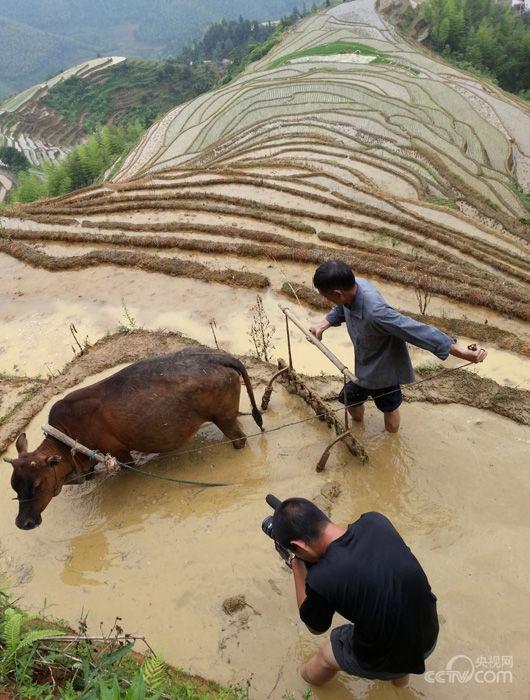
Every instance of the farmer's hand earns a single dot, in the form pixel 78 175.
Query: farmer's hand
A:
pixel 318 329
pixel 471 354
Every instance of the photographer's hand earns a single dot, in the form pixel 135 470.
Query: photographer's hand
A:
pixel 299 573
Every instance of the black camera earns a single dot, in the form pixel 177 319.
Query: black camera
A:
pixel 266 526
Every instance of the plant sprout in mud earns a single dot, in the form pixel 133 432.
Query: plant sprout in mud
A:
pixel 261 331
pixel 128 325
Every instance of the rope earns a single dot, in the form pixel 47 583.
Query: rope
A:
pixel 317 415
pixel 97 453
pixel 129 466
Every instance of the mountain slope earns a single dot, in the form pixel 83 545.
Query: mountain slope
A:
pixel 340 81
pixel 345 141
pixel 28 55
pixel 48 35
pixel 38 131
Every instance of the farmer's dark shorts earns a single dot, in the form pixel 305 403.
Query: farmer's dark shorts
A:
pixel 342 646
pixel 386 400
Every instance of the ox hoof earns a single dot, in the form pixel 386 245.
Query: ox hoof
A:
pixel 239 444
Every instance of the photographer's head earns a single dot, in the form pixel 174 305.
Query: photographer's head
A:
pixel 299 525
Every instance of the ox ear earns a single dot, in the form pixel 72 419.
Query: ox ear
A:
pixel 22 443
pixel 53 460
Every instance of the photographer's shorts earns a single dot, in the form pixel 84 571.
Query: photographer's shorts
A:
pixel 342 646
pixel 386 400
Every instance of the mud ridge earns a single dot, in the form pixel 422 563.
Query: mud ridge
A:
pixel 151 263
pixel 482 332
pixel 453 387
pixel 484 292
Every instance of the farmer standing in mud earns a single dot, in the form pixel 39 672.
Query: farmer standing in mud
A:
pixel 379 335
pixel 367 574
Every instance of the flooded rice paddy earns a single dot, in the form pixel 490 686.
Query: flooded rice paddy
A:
pixel 164 557
pixel 36 310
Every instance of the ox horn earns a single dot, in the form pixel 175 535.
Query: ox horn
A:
pixel 9 461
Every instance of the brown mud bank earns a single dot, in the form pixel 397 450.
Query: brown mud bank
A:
pixel 152 263
pixel 442 386
pixel 461 285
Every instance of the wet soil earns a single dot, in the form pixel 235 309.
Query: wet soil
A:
pixel 128 346
pixel 165 558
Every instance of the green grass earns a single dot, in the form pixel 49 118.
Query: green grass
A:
pixel 442 202
pixel 524 197
pixel 37 667
pixel 336 47
pixel 339 47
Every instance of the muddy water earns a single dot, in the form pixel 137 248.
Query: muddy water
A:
pixel 36 309
pixel 164 557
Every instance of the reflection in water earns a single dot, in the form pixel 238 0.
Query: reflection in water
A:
pixel 167 556
pixel 88 554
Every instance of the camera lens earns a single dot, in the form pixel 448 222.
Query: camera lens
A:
pixel 266 526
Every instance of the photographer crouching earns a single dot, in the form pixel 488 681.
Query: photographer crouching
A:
pixel 367 574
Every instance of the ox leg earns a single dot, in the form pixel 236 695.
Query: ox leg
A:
pixel 232 430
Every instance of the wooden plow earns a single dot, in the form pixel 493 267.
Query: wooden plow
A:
pixel 287 376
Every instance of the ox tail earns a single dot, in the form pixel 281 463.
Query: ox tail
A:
pixel 234 363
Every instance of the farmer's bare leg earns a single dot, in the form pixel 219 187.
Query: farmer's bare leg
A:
pixel 357 413
pixel 401 682
pixel 321 667
pixel 392 421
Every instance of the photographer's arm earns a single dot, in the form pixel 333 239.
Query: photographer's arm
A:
pixel 299 573
pixel 315 612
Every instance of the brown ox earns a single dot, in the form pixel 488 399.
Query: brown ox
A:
pixel 154 405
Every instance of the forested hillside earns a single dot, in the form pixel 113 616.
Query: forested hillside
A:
pixel 50 35
pixel 480 35
pixel 113 100
pixel 83 166
pixel 135 90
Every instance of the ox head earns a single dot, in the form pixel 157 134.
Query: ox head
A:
pixel 37 478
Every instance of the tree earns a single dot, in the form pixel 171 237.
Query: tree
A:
pixel 30 188
pixel 14 159
pixel 489 37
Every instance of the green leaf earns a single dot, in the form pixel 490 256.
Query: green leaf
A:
pixel 112 693
pixel 137 689
pixel 109 660
pixel 11 630
pixel 36 636
pixel 153 671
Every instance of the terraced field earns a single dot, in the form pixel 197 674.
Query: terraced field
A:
pixel 404 166
pixel 345 141
pixel 26 123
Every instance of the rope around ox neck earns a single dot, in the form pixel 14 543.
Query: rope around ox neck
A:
pixel 100 457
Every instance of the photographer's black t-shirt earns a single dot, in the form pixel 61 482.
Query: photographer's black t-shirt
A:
pixel 371 578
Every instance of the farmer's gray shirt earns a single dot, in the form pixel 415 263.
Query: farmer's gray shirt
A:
pixel 380 335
